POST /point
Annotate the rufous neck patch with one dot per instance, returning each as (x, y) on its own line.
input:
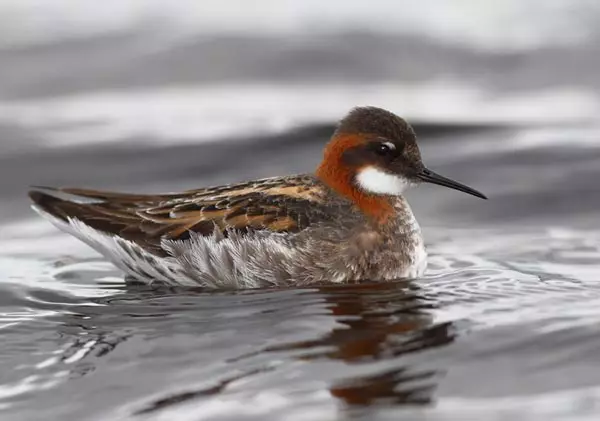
(340, 177)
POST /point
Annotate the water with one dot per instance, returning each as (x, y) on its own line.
(503, 326)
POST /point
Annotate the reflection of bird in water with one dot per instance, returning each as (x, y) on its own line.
(375, 323)
(380, 321)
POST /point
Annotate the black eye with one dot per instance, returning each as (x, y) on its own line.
(385, 149)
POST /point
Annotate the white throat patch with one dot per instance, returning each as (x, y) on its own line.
(376, 181)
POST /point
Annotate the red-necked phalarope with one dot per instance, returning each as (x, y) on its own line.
(347, 222)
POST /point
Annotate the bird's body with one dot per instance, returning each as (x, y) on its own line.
(346, 223)
(278, 231)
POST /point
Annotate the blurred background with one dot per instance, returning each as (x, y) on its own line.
(163, 95)
(84, 84)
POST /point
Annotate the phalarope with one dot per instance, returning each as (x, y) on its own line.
(345, 223)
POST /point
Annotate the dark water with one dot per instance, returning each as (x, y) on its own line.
(505, 324)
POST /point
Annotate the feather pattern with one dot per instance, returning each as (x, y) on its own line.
(276, 231)
(275, 204)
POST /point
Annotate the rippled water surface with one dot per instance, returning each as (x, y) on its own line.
(505, 324)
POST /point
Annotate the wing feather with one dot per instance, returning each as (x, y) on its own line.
(286, 204)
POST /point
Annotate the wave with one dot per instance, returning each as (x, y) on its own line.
(206, 113)
(533, 23)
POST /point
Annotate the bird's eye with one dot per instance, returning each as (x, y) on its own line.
(385, 148)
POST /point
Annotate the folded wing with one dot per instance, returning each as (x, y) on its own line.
(288, 204)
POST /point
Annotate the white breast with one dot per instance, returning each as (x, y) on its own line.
(419, 261)
(410, 228)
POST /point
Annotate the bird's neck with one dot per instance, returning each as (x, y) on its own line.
(379, 208)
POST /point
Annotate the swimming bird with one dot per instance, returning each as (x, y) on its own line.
(345, 223)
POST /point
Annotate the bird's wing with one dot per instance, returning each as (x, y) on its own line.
(286, 204)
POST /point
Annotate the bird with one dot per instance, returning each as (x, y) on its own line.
(347, 222)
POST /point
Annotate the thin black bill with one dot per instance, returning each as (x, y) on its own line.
(429, 176)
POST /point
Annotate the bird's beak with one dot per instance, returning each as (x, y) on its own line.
(429, 176)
